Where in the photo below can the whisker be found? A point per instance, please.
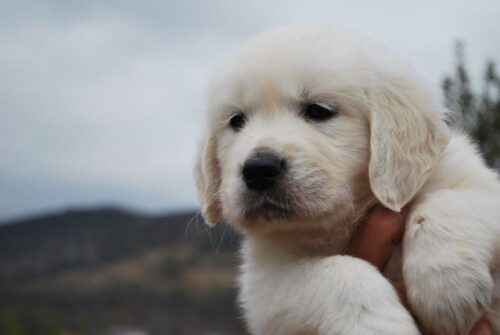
(221, 239)
(195, 218)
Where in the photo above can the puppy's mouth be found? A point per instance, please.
(272, 205)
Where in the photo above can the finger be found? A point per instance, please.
(401, 290)
(483, 327)
(375, 239)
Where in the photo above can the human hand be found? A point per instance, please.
(375, 240)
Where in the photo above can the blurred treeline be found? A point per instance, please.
(475, 106)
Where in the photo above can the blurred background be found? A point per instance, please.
(101, 108)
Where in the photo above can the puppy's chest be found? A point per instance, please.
(274, 297)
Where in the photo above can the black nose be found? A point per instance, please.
(261, 172)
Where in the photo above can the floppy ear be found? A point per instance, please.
(407, 139)
(207, 175)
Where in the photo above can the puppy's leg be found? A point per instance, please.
(358, 300)
(338, 295)
(447, 250)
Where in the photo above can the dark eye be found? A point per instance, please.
(237, 121)
(318, 112)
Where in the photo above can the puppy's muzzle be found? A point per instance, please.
(263, 171)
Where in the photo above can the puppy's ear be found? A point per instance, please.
(407, 139)
(207, 175)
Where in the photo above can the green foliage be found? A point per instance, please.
(478, 113)
(15, 322)
(11, 324)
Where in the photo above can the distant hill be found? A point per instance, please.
(102, 271)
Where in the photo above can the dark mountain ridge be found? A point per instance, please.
(97, 268)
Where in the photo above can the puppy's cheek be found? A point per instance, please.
(230, 194)
(311, 196)
(324, 189)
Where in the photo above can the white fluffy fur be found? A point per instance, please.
(389, 145)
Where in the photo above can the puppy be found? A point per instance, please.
(307, 129)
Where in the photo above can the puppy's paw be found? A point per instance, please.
(363, 301)
(449, 301)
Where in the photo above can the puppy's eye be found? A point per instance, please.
(319, 112)
(237, 121)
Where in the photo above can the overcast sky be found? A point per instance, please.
(101, 102)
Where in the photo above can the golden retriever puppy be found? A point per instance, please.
(307, 129)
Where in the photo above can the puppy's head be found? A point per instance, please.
(307, 125)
